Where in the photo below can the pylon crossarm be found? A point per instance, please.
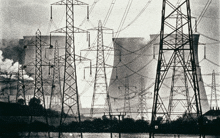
(106, 66)
(94, 48)
(32, 43)
(70, 30)
(77, 58)
(65, 2)
(103, 28)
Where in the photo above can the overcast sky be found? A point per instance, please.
(20, 18)
(24, 17)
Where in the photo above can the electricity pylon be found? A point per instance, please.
(179, 92)
(173, 42)
(56, 95)
(38, 89)
(100, 93)
(20, 84)
(127, 103)
(142, 105)
(127, 97)
(213, 93)
(100, 99)
(70, 95)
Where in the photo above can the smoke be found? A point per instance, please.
(9, 69)
(13, 49)
(7, 65)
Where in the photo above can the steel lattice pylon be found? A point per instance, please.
(127, 97)
(127, 104)
(20, 84)
(100, 97)
(55, 98)
(142, 106)
(38, 89)
(213, 93)
(179, 93)
(175, 40)
(70, 96)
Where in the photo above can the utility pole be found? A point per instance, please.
(173, 42)
(213, 93)
(100, 97)
(70, 95)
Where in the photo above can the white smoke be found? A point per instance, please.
(7, 67)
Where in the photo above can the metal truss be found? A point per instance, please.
(38, 89)
(100, 99)
(127, 104)
(142, 106)
(176, 38)
(127, 96)
(56, 94)
(213, 93)
(179, 92)
(70, 96)
(20, 84)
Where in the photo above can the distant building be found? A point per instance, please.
(212, 114)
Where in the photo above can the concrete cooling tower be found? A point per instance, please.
(208, 28)
(203, 95)
(135, 58)
(131, 57)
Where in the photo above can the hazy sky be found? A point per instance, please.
(20, 18)
(24, 17)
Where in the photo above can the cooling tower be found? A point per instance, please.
(134, 58)
(208, 28)
(203, 95)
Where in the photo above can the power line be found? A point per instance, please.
(204, 11)
(124, 16)
(109, 12)
(136, 17)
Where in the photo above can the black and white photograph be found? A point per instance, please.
(109, 69)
